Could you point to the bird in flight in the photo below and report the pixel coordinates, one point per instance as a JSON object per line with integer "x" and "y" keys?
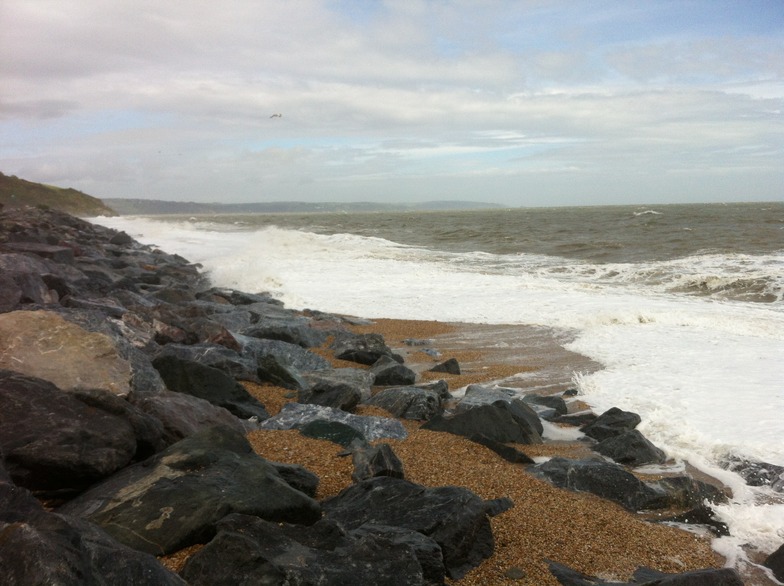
{"x": 277, "y": 116}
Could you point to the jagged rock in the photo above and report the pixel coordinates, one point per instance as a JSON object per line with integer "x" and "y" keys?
{"x": 508, "y": 453}
{"x": 232, "y": 363}
{"x": 388, "y": 371}
{"x": 210, "y": 384}
{"x": 478, "y": 395}
{"x": 775, "y": 562}
{"x": 757, "y": 473}
{"x": 612, "y": 422}
{"x": 38, "y": 547}
{"x": 378, "y": 460}
{"x": 54, "y": 443}
{"x": 286, "y": 354}
{"x": 699, "y": 515}
{"x": 455, "y": 518}
{"x": 44, "y": 345}
{"x": 338, "y": 381}
{"x": 409, "y": 402}
{"x": 683, "y": 492}
{"x": 644, "y": 576}
{"x": 248, "y": 550}
{"x": 175, "y": 498}
{"x": 298, "y": 477}
{"x": 630, "y": 448}
{"x": 603, "y": 479}
{"x": 451, "y": 366}
{"x": 499, "y": 421}
{"x": 183, "y": 415}
{"x": 362, "y": 348}
{"x": 333, "y": 431}
{"x": 554, "y": 402}
{"x": 294, "y": 331}
{"x": 297, "y": 415}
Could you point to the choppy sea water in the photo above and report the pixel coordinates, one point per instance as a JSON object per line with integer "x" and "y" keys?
{"x": 682, "y": 304}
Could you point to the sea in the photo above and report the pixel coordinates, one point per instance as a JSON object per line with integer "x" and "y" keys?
{"x": 682, "y": 305}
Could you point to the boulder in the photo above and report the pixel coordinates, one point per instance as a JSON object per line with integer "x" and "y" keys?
{"x": 775, "y": 562}
{"x": 55, "y": 444}
{"x": 175, "y": 498}
{"x": 231, "y": 362}
{"x": 703, "y": 515}
{"x": 298, "y": 477}
{"x": 499, "y": 421}
{"x": 554, "y": 402}
{"x": 450, "y": 366}
{"x": 612, "y": 422}
{"x": 44, "y": 345}
{"x": 388, "y": 371}
{"x": 210, "y": 384}
{"x": 341, "y": 382}
{"x": 630, "y": 448}
{"x": 361, "y": 348}
{"x": 508, "y": 453}
{"x": 328, "y": 391}
{"x": 283, "y": 353}
{"x": 297, "y": 415}
{"x": 378, "y": 460}
{"x": 454, "y": 517}
{"x": 333, "y": 431}
{"x": 183, "y": 415}
{"x": 248, "y": 550}
{"x": 478, "y": 395}
{"x": 294, "y": 331}
{"x": 38, "y": 547}
{"x": 645, "y": 576}
{"x": 409, "y": 402}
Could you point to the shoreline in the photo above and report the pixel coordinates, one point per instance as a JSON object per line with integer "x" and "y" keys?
{"x": 581, "y": 530}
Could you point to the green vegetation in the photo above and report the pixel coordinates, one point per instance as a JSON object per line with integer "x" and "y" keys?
{"x": 18, "y": 193}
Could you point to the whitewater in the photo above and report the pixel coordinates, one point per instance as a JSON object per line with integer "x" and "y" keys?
{"x": 704, "y": 368}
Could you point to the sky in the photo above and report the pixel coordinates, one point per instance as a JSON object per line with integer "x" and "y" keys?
{"x": 516, "y": 102}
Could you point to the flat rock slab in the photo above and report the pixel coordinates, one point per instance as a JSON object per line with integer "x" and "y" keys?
{"x": 175, "y": 498}
{"x": 44, "y": 345}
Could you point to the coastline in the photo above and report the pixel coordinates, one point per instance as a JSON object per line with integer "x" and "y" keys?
{"x": 583, "y": 531}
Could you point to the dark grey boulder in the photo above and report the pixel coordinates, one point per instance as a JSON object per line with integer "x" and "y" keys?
{"x": 348, "y": 382}
{"x": 183, "y": 415}
{"x": 757, "y": 473}
{"x": 55, "y": 444}
{"x": 703, "y": 515}
{"x": 38, "y": 547}
{"x": 388, "y": 371}
{"x": 450, "y": 366}
{"x": 378, "y": 460}
{"x": 499, "y": 421}
{"x": 554, "y": 402}
{"x": 361, "y": 348}
{"x": 330, "y": 392}
{"x": 175, "y": 498}
{"x": 294, "y": 331}
{"x": 287, "y": 354}
{"x": 210, "y": 384}
{"x": 630, "y": 448}
{"x": 248, "y": 550}
{"x": 566, "y": 576}
{"x": 478, "y": 395}
{"x": 604, "y": 479}
{"x": 454, "y": 517}
{"x": 333, "y": 431}
{"x": 612, "y": 422}
{"x": 298, "y": 477}
{"x": 775, "y": 562}
{"x": 231, "y": 362}
{"x": 683, "y": 492}
{"x": 409, "y": 402}
{"x": 297, "y": 415}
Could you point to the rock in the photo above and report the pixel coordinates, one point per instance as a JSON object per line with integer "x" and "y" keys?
{"x": 183, "y": 415}
{"x": 612, "y": 422}
{"x": 757, "y": 473}
{"x": 378, "y": 460}
{"x": 500, "y": 422}
{"x": 630, "y": 448}
{"x": 10, "y": 293}
{"x": 609, "y": 481}
{"x": 38, "y": 547}
{"x": 210, "y": 384}
{"x": 329, "y": 391}
{"x": 295, "y": 331}
{"x": 553, "y": 402}
{"x": 298, "y": 478}
{"x": 55, "y": 444}
{"x": 644, "y": 576}
{"x": 347, "y": 382}
{"x": 175, "y": 498}
{"x": 231, "y": 362}
{"x": 284, "y": 353}
{"x": 388, "y": 371}
{"x": 121, "y": 239}
{"x": 296, "y": 415}
{"x": 699, "y": 515}
{"x": 683, "y": 492}
{"x": 409, "y": 402}
{"x": 478, "y": 395}
{"x": 775, "y": 562}
{"x": 450, "y": 366}
{"x": 333, "y": 431}
{"x": 506, "y": 452}
{"x": 248, "y": 550}
{"x": 361, "y": 348}
{"x": 44, "y": 345}
{"x": 455, "y": 518}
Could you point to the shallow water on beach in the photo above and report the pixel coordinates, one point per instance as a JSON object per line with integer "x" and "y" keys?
{"x": 682, "y": 305}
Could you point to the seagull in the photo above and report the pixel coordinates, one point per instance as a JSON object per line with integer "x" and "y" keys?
{"x": 277, "y": 116}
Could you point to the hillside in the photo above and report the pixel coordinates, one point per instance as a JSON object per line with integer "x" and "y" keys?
{"x": 17, "y": 193}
